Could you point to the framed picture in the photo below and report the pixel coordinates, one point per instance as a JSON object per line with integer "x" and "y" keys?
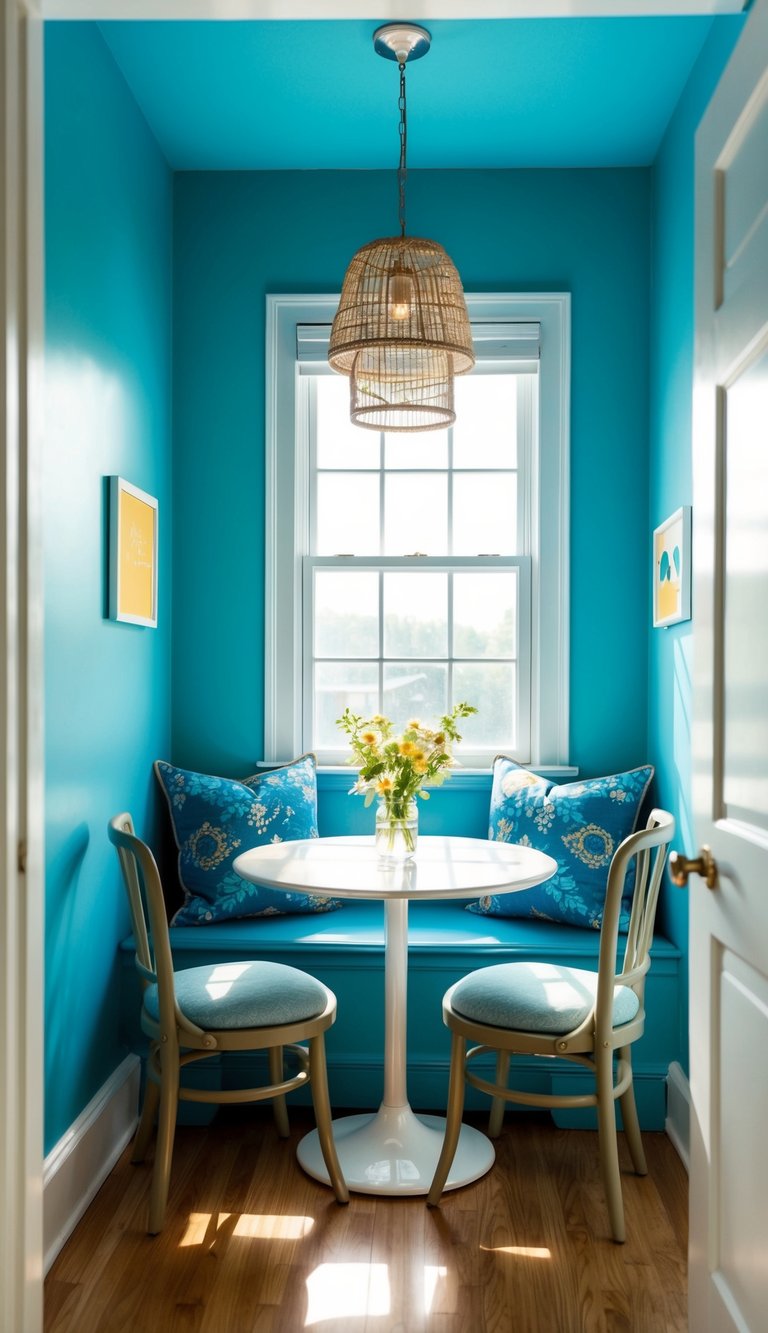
{"x": 132, "y": 554}
{"x": 672, "y": 569}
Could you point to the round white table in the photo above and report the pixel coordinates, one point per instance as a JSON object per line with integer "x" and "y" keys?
{"x": 394, "y": 1151}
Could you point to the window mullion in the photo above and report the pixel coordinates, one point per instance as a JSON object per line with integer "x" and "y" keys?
{"x": 450, "y": 490}
{"x": 380, "y": 708}
{"x": 526, "y": 483}
{"x": 450, "y": 700}
{"x": 382, "y": 494}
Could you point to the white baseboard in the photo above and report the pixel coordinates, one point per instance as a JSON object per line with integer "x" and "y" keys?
{"x": 678, "y": 1122}
{"x": 76, "y": 1168}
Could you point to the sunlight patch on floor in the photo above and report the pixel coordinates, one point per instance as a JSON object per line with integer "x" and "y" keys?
{"x": 521, "y": 1251}
{"x": 432, "y": 1276}
{"x": 343, "y": 1291}
{"x": 255, "y": 1226}
{"x": 352, "y": 1291}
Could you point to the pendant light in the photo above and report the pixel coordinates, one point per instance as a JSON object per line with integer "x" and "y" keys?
{"x": 402, "y": 330}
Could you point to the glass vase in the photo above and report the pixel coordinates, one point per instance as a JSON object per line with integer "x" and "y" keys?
{"x": 397, "y": 829}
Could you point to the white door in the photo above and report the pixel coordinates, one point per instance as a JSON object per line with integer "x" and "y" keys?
{"x": 21, "y": 688}
{"x": 729, "y": 923}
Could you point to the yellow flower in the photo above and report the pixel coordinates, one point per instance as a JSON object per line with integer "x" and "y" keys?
{"x": 384, "y": 785}
{"x": 414, "y": 724}
{"x": 369, "y": 738}
{"x": 420, "y": 765}
{"x": 407, "y": 748}
{"x": 439, "y": 738}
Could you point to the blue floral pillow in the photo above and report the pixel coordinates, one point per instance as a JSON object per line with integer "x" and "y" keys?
{"x": 214, "y": 819}
{"x": 580, "y": 824}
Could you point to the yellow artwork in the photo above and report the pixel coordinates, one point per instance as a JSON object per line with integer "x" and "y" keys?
{"x": 133, "y": 581}
{"x": 672, "y": 569}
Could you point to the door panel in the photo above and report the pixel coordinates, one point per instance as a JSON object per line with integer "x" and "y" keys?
{"x": 728, "y": 1287}
{"x": 745, "y": 603}
{"x": 740, "y": 1267}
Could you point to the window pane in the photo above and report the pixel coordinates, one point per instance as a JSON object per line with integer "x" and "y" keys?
{"x": 346, "y": 613}
{"x": 414, "y": 689}
{"x": 491, "y": 687}
{"x": 340, "y": 685}
{"x": 485, "y": 613}
{"x": 485, "y": 513}
{"x": 485, "y": 433}
{"x": 339, "y": 443}
{"x": 415, "y": 513}
{"x": 347, "y": 514}
{"x": 419, "y": 449}
{"x": 415, "y": 614}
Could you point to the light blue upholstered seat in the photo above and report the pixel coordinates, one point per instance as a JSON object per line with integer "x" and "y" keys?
{"x": 536, "y": 997}
{"x": 243, "y": 995}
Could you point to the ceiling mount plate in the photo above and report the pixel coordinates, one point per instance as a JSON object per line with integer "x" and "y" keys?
{"x": 401, "y": 42}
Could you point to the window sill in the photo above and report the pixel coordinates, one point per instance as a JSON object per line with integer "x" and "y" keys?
{"x": 340, "y": 779}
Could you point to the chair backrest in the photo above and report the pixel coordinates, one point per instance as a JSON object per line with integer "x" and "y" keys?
{"x": 648, "y": 848}
{"x": 154, "y": 960}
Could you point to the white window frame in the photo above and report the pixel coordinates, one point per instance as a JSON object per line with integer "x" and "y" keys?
{"x": 287, "y": 477}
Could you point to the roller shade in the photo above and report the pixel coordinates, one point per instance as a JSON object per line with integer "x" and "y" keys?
{"x": 493, "y": 342}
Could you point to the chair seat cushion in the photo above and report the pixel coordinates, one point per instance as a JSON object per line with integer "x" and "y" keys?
{"x": 536, "y": 997}
{"x": 243, "y": 995}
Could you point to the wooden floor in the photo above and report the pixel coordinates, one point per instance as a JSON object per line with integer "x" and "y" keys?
{"x": 252, "y": 1245}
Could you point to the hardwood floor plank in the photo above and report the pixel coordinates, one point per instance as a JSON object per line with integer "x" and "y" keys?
{"x": 253, "y": 1245}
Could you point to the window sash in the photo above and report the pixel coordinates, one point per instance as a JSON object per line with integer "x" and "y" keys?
{"x": 472, "y": 756}
{"x": 526, "y": 408}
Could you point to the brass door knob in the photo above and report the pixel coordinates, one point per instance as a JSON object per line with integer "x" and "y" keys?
{"x": 704, "y": 864}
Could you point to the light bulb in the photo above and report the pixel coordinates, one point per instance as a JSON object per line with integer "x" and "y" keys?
{"x": 400, "y": 296}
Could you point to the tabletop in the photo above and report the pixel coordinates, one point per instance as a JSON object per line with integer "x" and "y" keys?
{"x": 350, "y": 867}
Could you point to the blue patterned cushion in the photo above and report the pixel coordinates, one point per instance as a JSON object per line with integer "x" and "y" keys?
{"x": 214, "y": 819}
{"x": 580, "y": 824}
{"x": 536, "y": 997}
{"x": 243, "y": 995}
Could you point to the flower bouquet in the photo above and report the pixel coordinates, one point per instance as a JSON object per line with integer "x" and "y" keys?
{"x": 396, "y": 769}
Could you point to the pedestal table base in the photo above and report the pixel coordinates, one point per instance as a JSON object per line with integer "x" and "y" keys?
{"x": 393, "y": 1151}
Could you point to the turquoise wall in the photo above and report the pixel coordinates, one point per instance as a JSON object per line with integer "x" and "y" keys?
{"x": 671, "y": 382}
{"x": 238, "y": 237}
{"x": 107, "y": 685}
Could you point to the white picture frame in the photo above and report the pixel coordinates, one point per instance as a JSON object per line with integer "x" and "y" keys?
{"x": 672, "y": 569}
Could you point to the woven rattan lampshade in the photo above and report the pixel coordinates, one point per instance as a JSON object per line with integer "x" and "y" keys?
{"x": 401, "y": 331}
{"x": 401, "y": 292}
{"x": 401, "y": 388}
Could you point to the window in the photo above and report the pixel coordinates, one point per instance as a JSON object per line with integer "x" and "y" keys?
{"x": 406, "y": 572}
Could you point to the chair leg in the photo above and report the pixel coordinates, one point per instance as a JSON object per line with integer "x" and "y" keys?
{"x": 452, "y": 1119}
{"x": 609, "y": 1148}
{"x": 498, "y": 1105}
{"x": 166, "y": 1129}
{"x": 148, "y": 1112}
{"x": 279, "y": 1108}
{"x": 631, "y": 1122}
{"x": 318, "y": 1075}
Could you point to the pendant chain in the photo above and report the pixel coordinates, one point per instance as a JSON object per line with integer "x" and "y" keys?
{"x": 403, "y": 132}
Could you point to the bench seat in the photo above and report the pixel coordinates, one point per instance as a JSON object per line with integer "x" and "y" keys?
{"x": 345, "y": 949}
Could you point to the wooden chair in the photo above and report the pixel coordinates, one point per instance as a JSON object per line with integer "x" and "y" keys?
{"x": 199, "y": 1012}
{"x": 566, "y": 1013}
